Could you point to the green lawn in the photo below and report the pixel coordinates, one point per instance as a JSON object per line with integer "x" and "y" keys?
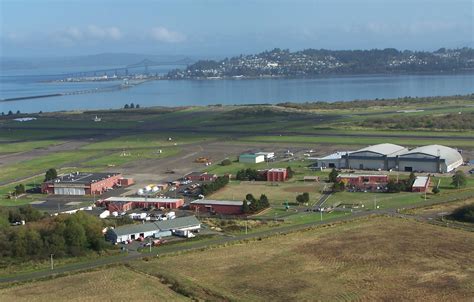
{"x": 41, "y": 164}
{"x": 356, "y": 140}
{"x": 27, "y": 146}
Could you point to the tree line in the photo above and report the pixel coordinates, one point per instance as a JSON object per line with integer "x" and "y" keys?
{"x": 63, "y": 235}
{"x": 212, "y": 187}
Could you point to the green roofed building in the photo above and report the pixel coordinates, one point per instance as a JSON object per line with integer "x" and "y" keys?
{"x": 250, "y": 158}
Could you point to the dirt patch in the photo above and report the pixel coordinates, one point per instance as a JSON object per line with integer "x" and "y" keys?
{"x": 298, "y": 189}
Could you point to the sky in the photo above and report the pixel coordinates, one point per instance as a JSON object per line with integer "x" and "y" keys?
{"x": 224, "y": 28}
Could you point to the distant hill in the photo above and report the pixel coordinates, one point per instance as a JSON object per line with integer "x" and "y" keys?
{"x": 316, "y": 62}
{"x": 103, "y": 59}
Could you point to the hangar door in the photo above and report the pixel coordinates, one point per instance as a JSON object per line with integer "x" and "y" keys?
{"x": 69, "y": 191}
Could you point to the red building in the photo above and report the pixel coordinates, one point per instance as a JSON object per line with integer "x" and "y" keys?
{"x": 372, "y": 182}
{"x": 125, "y": 182}
{"x": 200, "y": 176}
{"x": 277, "y": 174}
{"x": 81, "y": 183}
{"x": 421, "y": 184}
{"x": 217, "y": 206}
{"x": 123, "y": 204}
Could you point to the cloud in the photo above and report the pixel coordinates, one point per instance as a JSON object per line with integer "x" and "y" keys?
{"x": 163, "y": 34}
{"x": 112, "y": 33}
{"x": 92, "y": 33}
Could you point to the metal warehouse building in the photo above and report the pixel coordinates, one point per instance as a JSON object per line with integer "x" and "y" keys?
{"x": 156, "y": 229}
{"x": 432, "y": 158}
{"x": 381, "y": 156}
{"x": 81, "y": 183}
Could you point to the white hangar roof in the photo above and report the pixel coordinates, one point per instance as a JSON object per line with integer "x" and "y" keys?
{"x": 383, "y": 149}
{"x": 450, "y": 155}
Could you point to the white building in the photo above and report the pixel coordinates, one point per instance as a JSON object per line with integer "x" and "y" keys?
{"x": 249, "y": 158}
{"x": 268, "y": 156}
{"x": 153, "y": 229}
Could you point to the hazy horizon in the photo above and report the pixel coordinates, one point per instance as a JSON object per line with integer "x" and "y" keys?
{"x": 44, "y": 29}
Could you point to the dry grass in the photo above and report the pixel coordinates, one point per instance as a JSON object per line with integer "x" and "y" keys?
{"x": 379, "y": 259}
{"x": 112, "y": 284}
{"x": 443, "y": 207}
{"x": 277, "y": 194}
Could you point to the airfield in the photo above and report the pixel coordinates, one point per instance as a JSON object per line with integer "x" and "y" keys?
{"x": 364, "y": 253}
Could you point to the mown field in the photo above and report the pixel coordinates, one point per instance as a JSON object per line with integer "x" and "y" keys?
{"x": 367, "y": 260}
{"x": 111, "y": 284}
{"x": 277, "y": 194}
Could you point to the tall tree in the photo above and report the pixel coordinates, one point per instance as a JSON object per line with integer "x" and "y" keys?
{"x": 264, "y": 202}
{"x": 333, "y": 176}
{"x": 459, "y": 179}
{"x": 411, "y": 179}
{"x": 50, "y": 174}
{"x": 245, "y": 207}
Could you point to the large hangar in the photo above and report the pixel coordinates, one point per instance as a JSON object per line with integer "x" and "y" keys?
{"x": 381, "y": 156}
{"x": 432, "y": 158}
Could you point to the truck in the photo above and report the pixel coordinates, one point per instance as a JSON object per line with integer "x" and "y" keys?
{"x": 183, "y": 233}
{"x": 171, "y": 215}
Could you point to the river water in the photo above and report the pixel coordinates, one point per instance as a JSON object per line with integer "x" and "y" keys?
{"x": 205, "y": 92}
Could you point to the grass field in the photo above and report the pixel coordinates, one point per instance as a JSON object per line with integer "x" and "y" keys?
{"x": 368, "y": 260}
{"x": 299, "y": 167}
{"x": 277, "y": 194}
{"x": 111, "y": 284}
{"x": 26, "y": 146}
{"x": 356, "y": 140}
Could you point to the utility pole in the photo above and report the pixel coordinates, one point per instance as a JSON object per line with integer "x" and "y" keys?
{"x": 149, "y": 241}
{"x": 246, "y": 220}
{"x": 321, "y": 211}
{"x": 375, "y": 202}
{"x": 52, "y": 262}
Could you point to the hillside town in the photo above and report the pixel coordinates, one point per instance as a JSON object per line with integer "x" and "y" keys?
{"x": 313, "y": 62}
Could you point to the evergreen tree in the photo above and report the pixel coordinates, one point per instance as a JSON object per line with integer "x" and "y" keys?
{"x": 10, "y": 112}
{"x": 132, "y": 105}
{"x": 411, "y": 179}
{"x": 126, "y": 106}
{"x": 50, "y": 174}
{"x": 290, "y": 172}
{"x": 18, "y": 112}
{"x": 75, "y": 237}
{"x": 245, "y": 207}
{"x": 306, "y": 197}
{"x": 137, "y": 106}
{"x": 19, "y": 189}
{"x": 459, "y": 179}
{"x": 264, "y": 203}
{"x": 333, "y": 176}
